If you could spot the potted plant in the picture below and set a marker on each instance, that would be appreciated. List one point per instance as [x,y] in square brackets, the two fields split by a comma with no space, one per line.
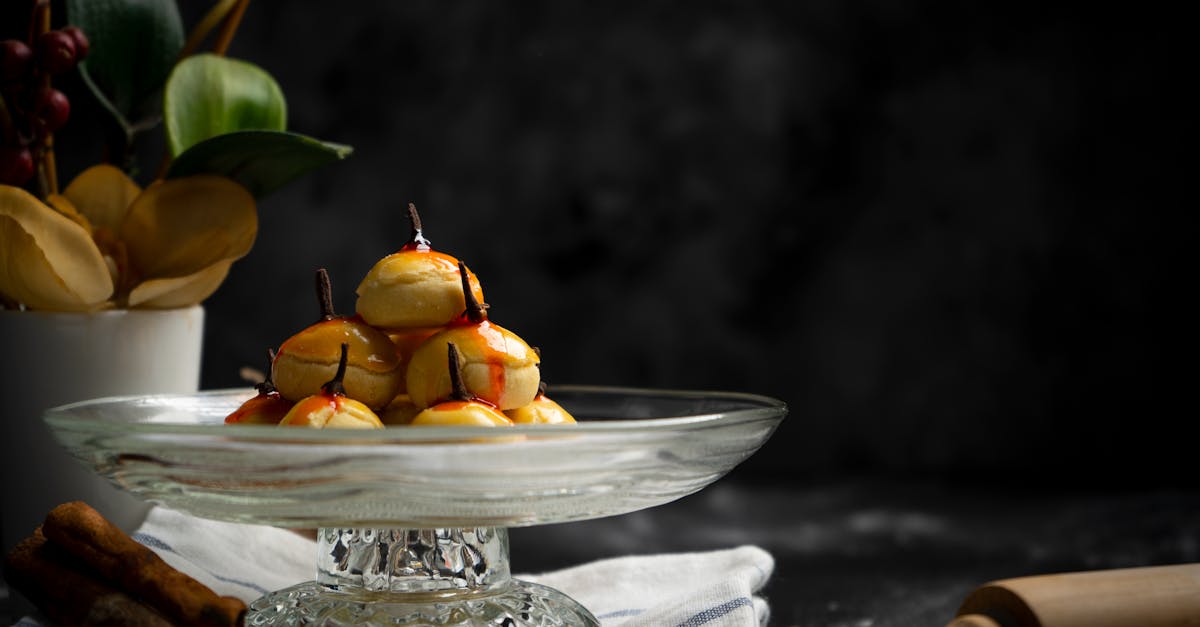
[102,277]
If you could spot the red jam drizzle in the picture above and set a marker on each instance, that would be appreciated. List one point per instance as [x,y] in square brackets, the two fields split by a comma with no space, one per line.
[495,346]
[421,246]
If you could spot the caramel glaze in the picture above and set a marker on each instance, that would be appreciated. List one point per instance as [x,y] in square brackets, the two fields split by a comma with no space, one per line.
[438,261]
[473,412]
[264,409]
[433,258]
[369,348]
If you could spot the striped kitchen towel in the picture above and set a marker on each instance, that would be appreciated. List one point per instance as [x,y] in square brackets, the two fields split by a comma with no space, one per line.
[714,588]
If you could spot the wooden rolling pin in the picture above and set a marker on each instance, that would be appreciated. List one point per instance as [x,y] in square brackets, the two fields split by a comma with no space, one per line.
[1155,596]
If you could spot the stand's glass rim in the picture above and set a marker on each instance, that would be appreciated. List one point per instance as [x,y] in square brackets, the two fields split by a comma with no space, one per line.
[753,407]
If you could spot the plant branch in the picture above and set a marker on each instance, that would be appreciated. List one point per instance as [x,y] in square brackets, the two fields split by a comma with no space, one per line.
[51,164]
[225,36]
[8,128]
[205,26]
[35,21]
[44,154]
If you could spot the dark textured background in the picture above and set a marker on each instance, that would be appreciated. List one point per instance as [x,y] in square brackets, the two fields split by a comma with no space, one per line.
[948,234]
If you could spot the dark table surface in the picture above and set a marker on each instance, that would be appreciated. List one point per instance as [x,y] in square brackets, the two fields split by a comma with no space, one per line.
[874,553]
[882,553]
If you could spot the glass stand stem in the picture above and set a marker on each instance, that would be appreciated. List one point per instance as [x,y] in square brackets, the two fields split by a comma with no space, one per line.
[467,560]
[445,576]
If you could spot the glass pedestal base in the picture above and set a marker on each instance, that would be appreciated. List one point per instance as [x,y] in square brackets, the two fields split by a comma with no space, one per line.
[456,576]
[517,604]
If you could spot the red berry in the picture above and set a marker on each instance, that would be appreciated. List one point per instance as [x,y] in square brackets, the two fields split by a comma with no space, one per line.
[55,52]
[16,165]
[16,60]
[82,45]
[50,110]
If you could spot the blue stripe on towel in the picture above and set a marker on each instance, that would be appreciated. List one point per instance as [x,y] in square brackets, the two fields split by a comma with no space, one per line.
[153,542]
[714,613]
[620,614]
[156,543]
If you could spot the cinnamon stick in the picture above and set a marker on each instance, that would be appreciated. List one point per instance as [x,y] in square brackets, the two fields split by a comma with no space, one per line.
[85,534]
[67,593]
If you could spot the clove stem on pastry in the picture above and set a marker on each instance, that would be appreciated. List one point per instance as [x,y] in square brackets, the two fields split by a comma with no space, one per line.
[458,389]
[325,295]
[417,239]
[476,311]
[334,386]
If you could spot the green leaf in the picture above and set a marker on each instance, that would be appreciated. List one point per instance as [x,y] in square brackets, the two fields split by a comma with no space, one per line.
[208,95]
[262,161]
[134,44]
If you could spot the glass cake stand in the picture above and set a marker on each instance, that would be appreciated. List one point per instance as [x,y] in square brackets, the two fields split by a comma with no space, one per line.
[412,521]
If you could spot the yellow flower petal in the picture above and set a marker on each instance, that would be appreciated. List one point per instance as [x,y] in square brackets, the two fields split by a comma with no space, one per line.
[182,291]
[64,206]
[103,193]
[46,260]
[178,227]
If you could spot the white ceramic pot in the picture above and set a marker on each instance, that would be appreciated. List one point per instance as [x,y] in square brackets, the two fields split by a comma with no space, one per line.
[50,359]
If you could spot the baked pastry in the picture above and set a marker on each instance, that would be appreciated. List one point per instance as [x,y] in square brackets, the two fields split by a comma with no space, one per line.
[416,286]
[310,358]
[460,408]
[541,410]
[331,408]
[497,365]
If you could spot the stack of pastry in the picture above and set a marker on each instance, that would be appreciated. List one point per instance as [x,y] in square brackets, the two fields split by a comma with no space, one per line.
[420,327]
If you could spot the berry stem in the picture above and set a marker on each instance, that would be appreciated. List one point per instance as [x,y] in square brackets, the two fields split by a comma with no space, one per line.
[225,35]
[43,153]
[50,164]
[35,21]
[325,295]
[39,178]
[8,128]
